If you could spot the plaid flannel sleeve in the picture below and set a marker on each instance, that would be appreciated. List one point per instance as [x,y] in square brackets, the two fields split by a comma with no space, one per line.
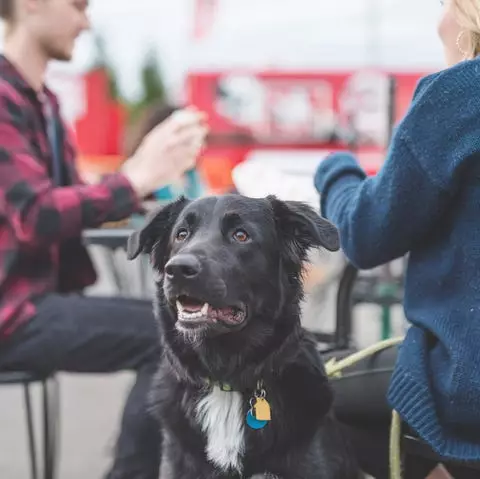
[39,212]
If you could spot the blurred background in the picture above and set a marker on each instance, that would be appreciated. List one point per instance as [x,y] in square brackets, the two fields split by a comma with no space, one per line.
[272,74]
[283,82]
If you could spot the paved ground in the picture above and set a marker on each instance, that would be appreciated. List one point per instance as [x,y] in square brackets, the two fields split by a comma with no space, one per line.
[91,404]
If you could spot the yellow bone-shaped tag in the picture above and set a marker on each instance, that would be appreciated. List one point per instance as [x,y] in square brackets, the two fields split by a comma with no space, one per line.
[262,410]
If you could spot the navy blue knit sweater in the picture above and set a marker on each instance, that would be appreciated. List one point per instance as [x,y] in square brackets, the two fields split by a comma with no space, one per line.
[426,202]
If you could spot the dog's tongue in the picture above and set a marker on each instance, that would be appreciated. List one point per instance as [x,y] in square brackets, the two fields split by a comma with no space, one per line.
[227,315]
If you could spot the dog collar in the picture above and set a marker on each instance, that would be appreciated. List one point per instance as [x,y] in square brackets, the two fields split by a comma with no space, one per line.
[223,386]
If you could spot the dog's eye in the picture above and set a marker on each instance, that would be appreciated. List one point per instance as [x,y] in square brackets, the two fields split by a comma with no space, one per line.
[241,236]
[182,234]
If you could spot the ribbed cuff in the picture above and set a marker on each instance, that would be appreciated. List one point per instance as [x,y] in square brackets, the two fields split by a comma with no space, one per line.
[336,166]
[415,404]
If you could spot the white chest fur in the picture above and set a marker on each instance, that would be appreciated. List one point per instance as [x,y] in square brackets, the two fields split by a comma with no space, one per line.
[220,415]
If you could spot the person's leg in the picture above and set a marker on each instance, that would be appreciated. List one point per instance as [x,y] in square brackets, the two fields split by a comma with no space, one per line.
[458,472]
[98,335]
[441,473]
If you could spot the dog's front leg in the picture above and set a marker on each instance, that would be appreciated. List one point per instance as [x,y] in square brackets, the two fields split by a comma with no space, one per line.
[302,440]
[306,399]
[307,442]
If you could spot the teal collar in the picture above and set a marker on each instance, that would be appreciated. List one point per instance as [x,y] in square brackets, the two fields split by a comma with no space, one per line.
[227,387]
[223,386]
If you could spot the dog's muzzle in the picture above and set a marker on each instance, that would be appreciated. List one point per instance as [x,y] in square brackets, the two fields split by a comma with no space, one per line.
[198,294]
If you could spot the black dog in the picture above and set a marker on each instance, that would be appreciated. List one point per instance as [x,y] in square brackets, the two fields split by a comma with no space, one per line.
[241,390]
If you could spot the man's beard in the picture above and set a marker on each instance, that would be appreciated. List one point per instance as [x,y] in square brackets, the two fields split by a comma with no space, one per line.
[52,52]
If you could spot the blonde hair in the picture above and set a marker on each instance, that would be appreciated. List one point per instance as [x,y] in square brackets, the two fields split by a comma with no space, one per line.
[468,18]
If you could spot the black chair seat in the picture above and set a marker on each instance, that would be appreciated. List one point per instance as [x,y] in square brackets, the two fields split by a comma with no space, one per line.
[412,444]
[50,395]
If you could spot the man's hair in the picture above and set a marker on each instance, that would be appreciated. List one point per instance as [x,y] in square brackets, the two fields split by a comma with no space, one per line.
[6,9]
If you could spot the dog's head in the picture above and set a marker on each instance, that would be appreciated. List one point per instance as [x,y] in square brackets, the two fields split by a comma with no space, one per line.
[230,263]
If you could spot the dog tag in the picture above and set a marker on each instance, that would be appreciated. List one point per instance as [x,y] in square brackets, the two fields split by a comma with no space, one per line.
[262,410]
[253,422]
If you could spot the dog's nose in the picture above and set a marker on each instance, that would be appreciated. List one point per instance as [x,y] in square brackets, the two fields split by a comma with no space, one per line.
[184,266]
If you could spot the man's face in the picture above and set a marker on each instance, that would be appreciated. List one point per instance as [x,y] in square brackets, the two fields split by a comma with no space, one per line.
[56,24]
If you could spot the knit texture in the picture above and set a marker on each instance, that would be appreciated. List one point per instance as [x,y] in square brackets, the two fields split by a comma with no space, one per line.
[425,201]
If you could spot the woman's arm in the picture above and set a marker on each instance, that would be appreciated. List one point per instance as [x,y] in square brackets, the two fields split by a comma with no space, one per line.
[379,218]
[382,218]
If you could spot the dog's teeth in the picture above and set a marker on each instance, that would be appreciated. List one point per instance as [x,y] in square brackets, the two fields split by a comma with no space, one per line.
[186,315]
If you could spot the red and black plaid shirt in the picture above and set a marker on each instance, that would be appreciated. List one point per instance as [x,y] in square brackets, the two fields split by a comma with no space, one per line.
[40,224]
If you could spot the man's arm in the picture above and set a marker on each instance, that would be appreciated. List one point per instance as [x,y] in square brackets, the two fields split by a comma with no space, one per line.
[39,212]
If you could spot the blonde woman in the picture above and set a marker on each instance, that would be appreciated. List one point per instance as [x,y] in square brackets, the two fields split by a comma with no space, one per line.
[426,202]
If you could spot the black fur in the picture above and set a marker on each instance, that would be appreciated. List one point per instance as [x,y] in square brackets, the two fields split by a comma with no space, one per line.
[302,441]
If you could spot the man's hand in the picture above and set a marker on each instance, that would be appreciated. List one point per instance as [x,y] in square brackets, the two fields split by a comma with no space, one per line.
[167,152]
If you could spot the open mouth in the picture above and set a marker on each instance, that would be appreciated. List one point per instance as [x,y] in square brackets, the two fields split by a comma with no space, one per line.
[195,312]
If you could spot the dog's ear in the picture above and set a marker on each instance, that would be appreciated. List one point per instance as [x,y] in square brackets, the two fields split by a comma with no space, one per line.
[302,228]
[156,230]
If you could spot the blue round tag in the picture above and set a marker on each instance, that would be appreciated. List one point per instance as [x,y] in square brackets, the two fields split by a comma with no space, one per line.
[255,423]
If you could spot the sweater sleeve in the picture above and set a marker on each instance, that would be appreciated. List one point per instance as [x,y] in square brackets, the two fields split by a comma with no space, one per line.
[379,218]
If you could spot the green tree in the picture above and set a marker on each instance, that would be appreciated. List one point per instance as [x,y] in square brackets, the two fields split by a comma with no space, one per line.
[101,61]
[153,87]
